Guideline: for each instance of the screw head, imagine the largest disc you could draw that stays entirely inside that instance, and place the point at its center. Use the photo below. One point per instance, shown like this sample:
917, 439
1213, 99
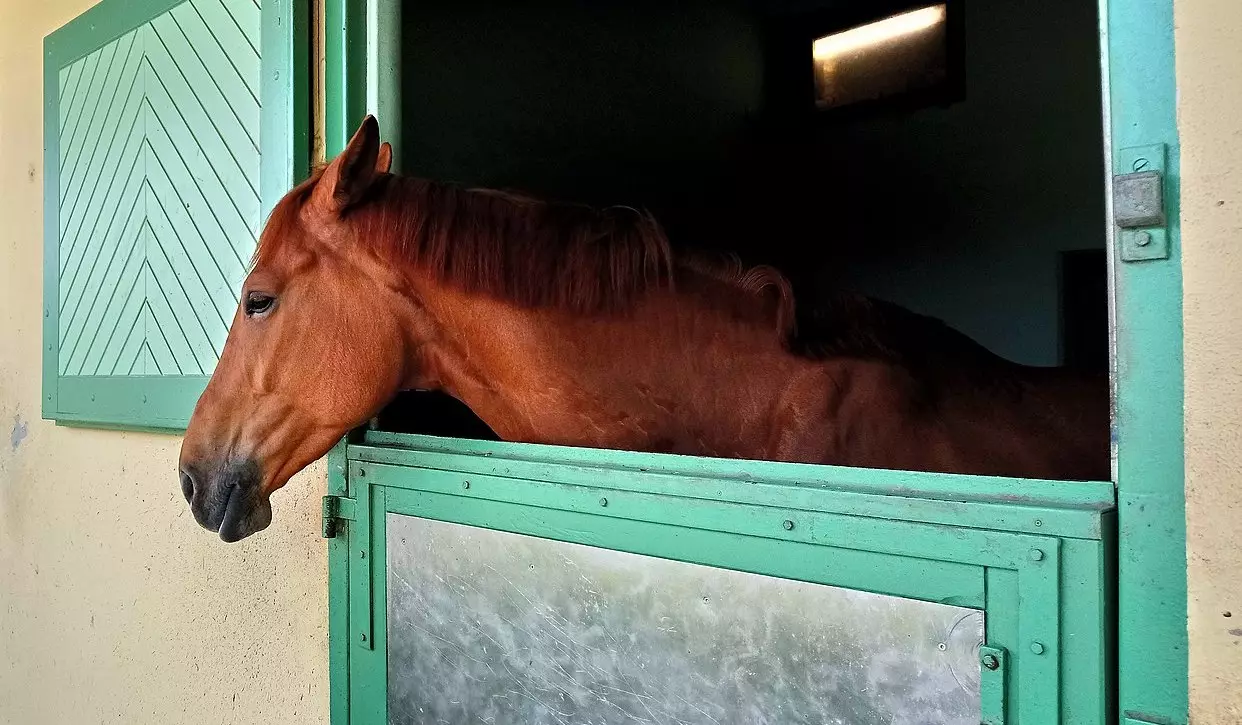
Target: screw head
362, 473
364, 636
942, 646
1037, 555
1039, 522
603, 502
465, 484
788, 525
1140, 164
362, 554
991, 662
1037, 648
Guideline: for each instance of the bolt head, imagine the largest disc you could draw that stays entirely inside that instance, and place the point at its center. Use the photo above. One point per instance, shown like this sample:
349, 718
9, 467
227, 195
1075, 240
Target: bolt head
991, 662
1037, 648
1142, 239
1037, 555
788, 525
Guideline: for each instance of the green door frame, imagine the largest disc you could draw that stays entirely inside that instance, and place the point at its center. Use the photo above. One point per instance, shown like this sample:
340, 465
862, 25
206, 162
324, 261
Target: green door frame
1139, 106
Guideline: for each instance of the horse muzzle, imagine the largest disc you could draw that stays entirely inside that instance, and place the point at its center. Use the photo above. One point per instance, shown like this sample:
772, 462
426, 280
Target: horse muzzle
226, 498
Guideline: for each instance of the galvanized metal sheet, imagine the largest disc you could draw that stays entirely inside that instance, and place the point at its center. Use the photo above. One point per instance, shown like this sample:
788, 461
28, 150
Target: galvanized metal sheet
493, 627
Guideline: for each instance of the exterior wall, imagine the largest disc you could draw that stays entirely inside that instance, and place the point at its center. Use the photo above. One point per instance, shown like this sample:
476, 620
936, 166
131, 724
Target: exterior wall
114, 605
1209, 74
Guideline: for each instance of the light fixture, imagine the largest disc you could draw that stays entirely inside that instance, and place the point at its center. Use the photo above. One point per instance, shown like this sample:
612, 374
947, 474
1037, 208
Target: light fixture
886, 57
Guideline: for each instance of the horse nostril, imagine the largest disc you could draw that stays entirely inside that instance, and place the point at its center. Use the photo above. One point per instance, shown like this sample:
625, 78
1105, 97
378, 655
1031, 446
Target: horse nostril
187, 485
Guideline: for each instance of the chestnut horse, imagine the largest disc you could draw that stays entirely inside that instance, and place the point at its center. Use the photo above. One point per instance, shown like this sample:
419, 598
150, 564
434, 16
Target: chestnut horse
564, 324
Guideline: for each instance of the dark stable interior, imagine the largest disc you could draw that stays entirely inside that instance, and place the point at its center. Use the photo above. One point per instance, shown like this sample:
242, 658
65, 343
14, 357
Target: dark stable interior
981, 202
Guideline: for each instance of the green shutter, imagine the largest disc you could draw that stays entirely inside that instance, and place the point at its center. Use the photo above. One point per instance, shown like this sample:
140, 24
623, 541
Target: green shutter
155, 117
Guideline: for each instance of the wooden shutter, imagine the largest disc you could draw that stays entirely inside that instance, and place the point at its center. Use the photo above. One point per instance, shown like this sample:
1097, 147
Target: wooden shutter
166, 129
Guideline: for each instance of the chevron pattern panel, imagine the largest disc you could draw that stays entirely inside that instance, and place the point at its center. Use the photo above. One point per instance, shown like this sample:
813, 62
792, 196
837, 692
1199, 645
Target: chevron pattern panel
158, 192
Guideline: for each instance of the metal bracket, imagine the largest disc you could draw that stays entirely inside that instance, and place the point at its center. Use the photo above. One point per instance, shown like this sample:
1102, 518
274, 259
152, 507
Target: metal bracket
993, 664
1139, 208
336, 509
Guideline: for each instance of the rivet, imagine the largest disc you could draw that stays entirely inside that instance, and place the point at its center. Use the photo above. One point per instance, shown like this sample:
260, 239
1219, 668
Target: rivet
942, 646
1142, 239
991, 662
788, 525
603, 502
1037, 648
1037, 555
1039, 522
465, 484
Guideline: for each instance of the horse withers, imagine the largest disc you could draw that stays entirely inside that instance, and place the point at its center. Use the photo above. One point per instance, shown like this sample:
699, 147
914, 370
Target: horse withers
565, 324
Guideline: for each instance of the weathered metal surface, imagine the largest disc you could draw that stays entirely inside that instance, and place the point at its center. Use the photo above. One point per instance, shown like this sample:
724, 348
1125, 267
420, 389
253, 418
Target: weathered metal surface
492, 627
1138, 197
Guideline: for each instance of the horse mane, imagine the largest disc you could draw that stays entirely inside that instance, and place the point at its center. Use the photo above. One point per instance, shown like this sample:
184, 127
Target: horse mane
583, 259
529, 251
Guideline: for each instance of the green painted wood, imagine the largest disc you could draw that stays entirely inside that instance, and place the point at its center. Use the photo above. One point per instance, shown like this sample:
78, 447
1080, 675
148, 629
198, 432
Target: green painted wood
1089, 618
1003, 619
1151, 561
345, 80
1043, 507
338, 595
152, 196
151, 401
284, 92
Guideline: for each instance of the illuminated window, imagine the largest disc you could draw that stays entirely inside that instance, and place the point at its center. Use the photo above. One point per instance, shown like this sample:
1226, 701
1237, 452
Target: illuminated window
893, 56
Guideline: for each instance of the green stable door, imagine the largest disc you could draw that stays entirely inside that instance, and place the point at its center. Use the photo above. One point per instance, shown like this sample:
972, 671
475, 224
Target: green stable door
538, 584
498, 582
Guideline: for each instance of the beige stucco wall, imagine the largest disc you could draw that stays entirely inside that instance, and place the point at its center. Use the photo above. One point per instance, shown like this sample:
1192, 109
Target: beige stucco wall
1209, 78
114, 605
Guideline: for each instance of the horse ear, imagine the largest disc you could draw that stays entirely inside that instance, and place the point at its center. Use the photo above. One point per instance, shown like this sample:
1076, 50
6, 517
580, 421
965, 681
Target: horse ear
384, 162
350, 174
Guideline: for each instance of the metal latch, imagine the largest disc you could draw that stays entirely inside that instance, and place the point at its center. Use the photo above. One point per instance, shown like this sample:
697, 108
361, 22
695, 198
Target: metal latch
993, 664
336, 509
1139, 209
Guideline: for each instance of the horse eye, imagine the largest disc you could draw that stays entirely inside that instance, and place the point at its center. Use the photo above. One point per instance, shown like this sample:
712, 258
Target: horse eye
258, 303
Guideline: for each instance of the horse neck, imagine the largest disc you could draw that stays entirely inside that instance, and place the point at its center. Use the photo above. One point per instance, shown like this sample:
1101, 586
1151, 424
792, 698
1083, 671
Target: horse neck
651, 378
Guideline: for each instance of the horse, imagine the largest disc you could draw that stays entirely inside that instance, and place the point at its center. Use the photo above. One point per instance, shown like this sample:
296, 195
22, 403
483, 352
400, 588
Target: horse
574, 325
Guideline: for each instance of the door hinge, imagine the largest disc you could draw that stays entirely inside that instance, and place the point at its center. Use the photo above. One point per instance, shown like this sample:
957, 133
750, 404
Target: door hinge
336, 509
1139, 204
993, 664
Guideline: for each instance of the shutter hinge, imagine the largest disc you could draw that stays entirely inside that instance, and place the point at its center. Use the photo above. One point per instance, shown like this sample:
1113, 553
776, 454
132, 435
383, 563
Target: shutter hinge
336, 509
